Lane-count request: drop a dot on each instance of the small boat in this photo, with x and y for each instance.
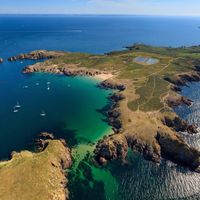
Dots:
(26, 86)
(37, 84)
(42, 114)
(68, 85)
(17, 105)
(48, 83)
(15, 110)
(48, 88)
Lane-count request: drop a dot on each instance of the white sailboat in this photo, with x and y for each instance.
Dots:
(15, 110)
(17, 105)
(42, 114)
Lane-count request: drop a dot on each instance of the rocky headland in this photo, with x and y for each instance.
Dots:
(141, 112)
(39, 175)
(37, 55)
(67, 70)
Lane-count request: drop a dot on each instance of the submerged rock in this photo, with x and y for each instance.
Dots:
(46, 136)
(1, 60)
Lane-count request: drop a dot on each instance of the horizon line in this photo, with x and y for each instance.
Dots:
(103, 14)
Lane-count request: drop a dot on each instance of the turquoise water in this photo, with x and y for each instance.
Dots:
(72, 104)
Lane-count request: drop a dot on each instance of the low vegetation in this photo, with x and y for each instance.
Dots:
(35, 176)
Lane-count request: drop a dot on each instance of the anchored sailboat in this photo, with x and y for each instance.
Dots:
(15, 110)
(17, 105)
(42, 114)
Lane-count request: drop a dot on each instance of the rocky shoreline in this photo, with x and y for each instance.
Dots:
(169, 145)
(65, 70)
(116, 146)
(166, 143)
(37, 55)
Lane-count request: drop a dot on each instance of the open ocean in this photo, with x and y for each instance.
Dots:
(71, 105)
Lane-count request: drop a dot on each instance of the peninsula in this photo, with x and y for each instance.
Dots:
(147, 82)
(38, 175)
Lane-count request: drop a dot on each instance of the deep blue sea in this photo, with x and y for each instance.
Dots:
(71, 105)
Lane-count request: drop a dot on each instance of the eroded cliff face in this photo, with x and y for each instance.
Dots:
(174, 148)
(179, 125)
(184, 78)
(38, 175)
(167, 144)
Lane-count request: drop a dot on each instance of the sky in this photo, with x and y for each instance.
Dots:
(129, 7)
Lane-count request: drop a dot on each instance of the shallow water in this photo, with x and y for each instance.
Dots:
(71, 104)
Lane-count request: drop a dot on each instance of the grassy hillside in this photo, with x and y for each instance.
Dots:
(35, 176)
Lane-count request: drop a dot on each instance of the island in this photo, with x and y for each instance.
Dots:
(38, 175)
(146, 83)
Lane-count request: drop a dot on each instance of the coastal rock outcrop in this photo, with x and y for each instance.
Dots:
(177, 100)
(182, 79)
(180, 125)
(167, 144)
(149, 152)
(174, 148)
(37, 55)
(1, 60)
(116, 147)
(112, 84)
(113, 114)
(80, 72)
(46, 136)
(111, 148)
(67, 70)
